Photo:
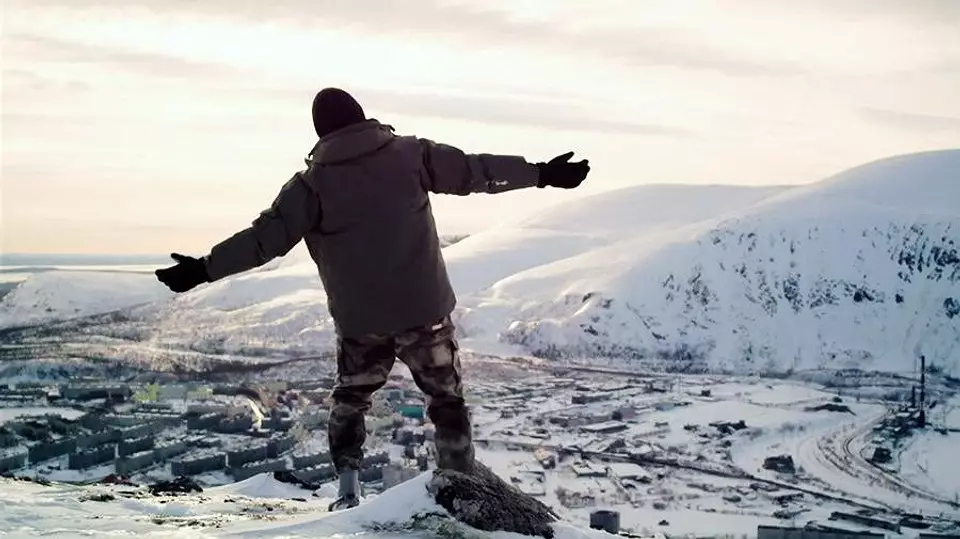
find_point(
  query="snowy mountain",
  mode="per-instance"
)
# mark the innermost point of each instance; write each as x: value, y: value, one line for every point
x: 860, y: 270
x: 53, y: 295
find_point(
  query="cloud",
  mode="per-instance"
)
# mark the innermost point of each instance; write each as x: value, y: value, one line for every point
x: 32, y: 48
x: 911, y: 120
x: 476, y: 27
x: 528, y: 112
x: 936, y: 12
x: 520, y: 112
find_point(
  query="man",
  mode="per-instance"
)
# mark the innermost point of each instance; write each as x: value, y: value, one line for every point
x: 362, y: 207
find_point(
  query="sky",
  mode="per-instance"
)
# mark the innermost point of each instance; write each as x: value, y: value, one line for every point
x: 166, y: 125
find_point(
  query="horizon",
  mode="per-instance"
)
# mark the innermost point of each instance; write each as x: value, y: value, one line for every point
x: 134, y: 128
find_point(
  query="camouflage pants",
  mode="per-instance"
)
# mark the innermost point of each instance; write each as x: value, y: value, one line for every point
x: 363, y: 366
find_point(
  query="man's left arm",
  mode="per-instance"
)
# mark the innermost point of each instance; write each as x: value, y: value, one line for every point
x: 272, y: 234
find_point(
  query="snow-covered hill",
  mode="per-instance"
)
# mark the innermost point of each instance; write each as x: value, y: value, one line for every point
x: 860, y: 270
x: 53, y: 295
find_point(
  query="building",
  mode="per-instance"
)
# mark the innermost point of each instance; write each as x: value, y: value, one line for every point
x: 777, y: 532
x: 91, y: 457
x: 607, y: 427
x: 376, y: 459
x: 280, y: 444
x: 608, y: 521
x: 310, y: 460
x: 588, y: 469
x: 871, y: 521
x: 198, y: 464
x: 233, y: 424
x: 587, y: 398
x: 167, y: 451
x: 169, y: 392
x: 369, y: 475
x: 204, y: 408
x: 253, y: 453
x: 412, y: 409
x: 8, y: 438
x: 780, y: 463
x: 630, y: 471
x: 403, y: 436
x: 624, y: 413
x: 135, y: 462
x: 12, y: 460
x: 251, y: 469
x: 396, y: 473
x: 50, y: 450
x: 205, y: 421
x: 317, y: 474
x: 85, y: 392
x: 137, y: 445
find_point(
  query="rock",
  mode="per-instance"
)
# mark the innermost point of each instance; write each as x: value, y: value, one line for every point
x: 98, y: 497
x: 485, y: 501
x: 115, y: 479
x: 286, y: 476
x: 183, y: 485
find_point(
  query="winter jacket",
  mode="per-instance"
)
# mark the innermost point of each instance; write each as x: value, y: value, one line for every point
x: 362, y: 207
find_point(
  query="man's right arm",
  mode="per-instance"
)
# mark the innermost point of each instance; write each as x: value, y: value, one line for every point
x: 452, y: 171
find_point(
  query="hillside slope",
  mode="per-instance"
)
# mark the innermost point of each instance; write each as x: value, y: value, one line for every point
x: 56, y: 295
x: 858, y: 271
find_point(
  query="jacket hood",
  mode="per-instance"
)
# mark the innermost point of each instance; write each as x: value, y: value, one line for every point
x: 351, y: 142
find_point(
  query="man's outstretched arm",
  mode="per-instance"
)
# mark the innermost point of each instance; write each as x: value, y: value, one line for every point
x: 272, y: 234
x: 276, y: 231
x: 450, y: 170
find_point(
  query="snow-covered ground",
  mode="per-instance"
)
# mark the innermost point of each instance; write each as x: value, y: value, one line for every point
x: 257, y: 507
x: 928, y: 462
x: 697, y: 480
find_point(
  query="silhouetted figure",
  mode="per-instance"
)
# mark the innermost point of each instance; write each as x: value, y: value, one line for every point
x: 362, y: 207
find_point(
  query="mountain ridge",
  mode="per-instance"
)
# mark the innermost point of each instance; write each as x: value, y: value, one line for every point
x: 859, y: 270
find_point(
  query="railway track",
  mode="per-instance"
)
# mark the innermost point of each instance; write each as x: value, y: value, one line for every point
x: 838, y: 450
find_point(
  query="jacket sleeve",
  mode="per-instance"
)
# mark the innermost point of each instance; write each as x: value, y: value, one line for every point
x: 452, y: 171
x: 272, y: 234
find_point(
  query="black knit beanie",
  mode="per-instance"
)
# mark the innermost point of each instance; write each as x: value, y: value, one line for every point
x: 335, y: 109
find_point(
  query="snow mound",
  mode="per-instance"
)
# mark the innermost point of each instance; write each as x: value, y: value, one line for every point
x: 59, y: 295
x: 261, y: 486
x: 403, y: 511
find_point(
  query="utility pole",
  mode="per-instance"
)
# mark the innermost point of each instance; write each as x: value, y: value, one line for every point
x: 922, y: 419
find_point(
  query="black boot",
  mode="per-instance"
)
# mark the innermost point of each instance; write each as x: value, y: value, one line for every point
x: 349, y: 494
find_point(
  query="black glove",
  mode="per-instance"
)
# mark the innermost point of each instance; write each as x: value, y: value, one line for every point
x: 559, y: 173
x: 187, y: 274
